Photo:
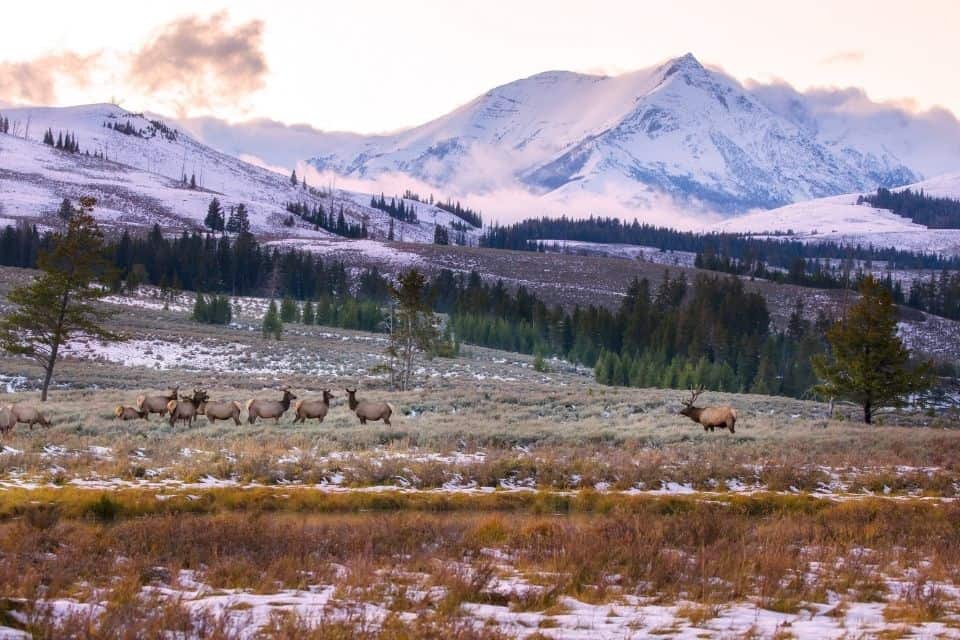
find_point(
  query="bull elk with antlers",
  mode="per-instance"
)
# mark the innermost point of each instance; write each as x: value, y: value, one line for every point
x: 722, y: 416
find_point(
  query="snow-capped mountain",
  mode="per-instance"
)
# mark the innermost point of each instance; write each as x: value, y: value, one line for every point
x: 680, y: 129
x: 140, y: 169
x: 840, y: 219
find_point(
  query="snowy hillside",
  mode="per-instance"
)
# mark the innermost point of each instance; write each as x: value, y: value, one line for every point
x: 679, y: 129
x: 841, y: 219
x: 136, y: 167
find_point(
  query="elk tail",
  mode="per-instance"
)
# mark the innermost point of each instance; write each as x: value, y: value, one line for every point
x: 249, y: 402
x: 118, y: 411
x: 140, y: 400
x: 296, y: 405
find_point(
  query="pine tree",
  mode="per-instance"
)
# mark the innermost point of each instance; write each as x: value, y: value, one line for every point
x: 390, y: 231
x: 308, y: 316
x: 293, y: 178
x: 193, y: 181
x: 289, y: 312
x: 868, y: 363
x: 66, y: 210
x: 214, y: 220
x: 272, y: 326
x: 413, y: 326
x: 61, y: 303
x: 200, y: 309
x: 243, y: 220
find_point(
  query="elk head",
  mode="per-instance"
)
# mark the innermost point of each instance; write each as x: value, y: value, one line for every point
x: 688, y: 408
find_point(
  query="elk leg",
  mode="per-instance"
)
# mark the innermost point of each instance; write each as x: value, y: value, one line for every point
x: 386, y: 421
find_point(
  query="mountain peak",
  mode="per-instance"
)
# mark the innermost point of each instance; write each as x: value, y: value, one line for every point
x: 687, y: 62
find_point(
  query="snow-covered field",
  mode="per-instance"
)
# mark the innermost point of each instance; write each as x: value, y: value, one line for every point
x: 840, y: 219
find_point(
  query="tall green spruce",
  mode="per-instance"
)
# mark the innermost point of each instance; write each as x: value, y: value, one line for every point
x: 214, y: 219
x: 272, y: 325
x: 61, y: 303
x: 413, y: 328
x: 289, y: 311
x: 868, y: 363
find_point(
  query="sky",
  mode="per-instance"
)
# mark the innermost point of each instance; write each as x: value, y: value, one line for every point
x: 377, y: 66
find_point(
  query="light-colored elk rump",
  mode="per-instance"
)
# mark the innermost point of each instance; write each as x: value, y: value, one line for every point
x: 185, y: 409
x: 260, y: 408
x: 27, y: 414
x: 222, y: 410
x: 366, y: 410
x: 313, y: 407
x: 128, y: 413
x: 722, y: 417
x: 7, y: 421
x: 156, y: 404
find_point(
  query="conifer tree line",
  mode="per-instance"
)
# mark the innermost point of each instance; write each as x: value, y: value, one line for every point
x: 930, y: 211
x: 780, y: 252
x: 321, y: 219
x: 63, y: 142
x: 468, y: 215
x: 4, y: 124
x: 395, y: 208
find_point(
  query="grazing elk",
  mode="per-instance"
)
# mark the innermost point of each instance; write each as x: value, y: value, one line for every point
x: 129, y: 413
x: 185, y: 409
x: 260, y: 408
x: 7, y: 421
x: 313, y: 408
x: 222, y: 410
x: 28, y: 415
x: 369, y: 410
x: 156, y: 404
x: 723, y: 416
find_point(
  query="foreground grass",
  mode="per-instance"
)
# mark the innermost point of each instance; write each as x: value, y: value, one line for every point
x: 422, y: 562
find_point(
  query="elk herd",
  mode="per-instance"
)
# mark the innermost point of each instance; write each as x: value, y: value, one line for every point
x: 184, y: 409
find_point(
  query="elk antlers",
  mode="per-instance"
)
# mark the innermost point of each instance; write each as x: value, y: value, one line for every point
x: 694, y: 394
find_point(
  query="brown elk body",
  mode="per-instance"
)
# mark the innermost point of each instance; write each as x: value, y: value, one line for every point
x: 129, y: 413
x: 7, y: 421
x: 313, y: 408
x: 26, y: 414
x: 156, y: 404
x: 185, y: 409
x: 260, y: 408
x: 366, y: 410
x: 223, y: 410
x: 722, y: 416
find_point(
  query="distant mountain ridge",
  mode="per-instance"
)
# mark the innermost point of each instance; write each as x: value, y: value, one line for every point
x: 679, y: 129
x: 140, y: 168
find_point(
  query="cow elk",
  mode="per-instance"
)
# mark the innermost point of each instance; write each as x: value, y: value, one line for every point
x: 27, y: 414
x: 264, y: 409
x: 223, y: 410
x: 313, y: 407
x: 185, y: 409
x: 723, y: 416
x: 129, y: 413
x: 156, y: 404
x: 7, y: 421
x: 369, y: 410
